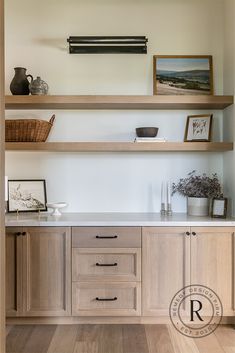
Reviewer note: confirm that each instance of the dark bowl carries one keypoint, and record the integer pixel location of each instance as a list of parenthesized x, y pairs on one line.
[(146, 131)]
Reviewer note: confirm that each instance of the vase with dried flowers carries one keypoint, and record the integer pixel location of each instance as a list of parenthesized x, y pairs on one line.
[(198, 189)]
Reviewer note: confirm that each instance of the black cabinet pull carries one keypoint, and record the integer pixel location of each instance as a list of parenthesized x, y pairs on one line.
[(18, 234), (187, 233), (106, 299), (106, 265), (193, 233), (106, 237), (24, 233)]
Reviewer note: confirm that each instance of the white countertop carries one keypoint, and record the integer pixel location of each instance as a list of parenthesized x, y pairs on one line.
[(114, 220)]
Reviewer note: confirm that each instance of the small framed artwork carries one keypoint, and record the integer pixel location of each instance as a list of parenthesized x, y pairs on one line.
[(182, 75), (219, 208), (198, 128), (27, 195)]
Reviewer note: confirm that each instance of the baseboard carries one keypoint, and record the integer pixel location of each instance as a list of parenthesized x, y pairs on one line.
[(227, 320)]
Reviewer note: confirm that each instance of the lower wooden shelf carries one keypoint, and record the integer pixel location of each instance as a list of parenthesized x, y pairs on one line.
[(120, 146)]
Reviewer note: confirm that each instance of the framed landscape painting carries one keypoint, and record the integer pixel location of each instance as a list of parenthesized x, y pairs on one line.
[(182, 75), (27, 195)]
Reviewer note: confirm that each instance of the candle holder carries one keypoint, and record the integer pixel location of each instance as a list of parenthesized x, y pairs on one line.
[(163, 209), (169, 210)]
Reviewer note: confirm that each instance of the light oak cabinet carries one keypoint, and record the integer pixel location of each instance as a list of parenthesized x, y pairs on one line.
[(41, 285), (106, 271), (166, 267), (176, 257), (212, 262), (13, 271)]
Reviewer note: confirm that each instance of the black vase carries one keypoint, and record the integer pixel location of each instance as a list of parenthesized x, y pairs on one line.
[(20, 84)]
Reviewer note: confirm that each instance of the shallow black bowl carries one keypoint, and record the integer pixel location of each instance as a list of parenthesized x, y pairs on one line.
[(146, 131)]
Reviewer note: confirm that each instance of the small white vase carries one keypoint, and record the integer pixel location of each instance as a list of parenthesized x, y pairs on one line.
[(198, 206)]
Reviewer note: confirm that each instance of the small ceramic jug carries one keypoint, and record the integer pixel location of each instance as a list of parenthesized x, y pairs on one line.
[(20, 84), (38, 87)]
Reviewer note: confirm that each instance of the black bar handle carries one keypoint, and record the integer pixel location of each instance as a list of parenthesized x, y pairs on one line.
[(106, 265), (106, 237), (106, 299)]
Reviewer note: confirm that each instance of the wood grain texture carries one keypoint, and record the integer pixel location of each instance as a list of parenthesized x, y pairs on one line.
[(118, 102), (226, 337), (124, 264), (209, 344), (134, 339), (39, 339), (212, 259), (18, 338), (120, 146), (128, 302), (158, 339), (125, 237), (47, 271), (64, 339), (100, 338), (14, 294), (8, 329), (115, 339), (2, 182), (166, 264), (181, 343)]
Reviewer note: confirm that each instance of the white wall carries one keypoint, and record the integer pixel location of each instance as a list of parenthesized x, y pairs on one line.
[(36, 35), (229, 85)]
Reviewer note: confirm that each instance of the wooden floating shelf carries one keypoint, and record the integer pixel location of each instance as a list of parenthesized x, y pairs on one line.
[(120, 146), (118, 102)]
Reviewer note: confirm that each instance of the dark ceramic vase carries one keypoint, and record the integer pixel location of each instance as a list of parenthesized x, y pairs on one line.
[(20, 84)]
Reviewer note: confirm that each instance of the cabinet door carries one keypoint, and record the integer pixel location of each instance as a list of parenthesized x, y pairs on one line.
[(47, 271), (13, 272), (212, 261), (165, 267)]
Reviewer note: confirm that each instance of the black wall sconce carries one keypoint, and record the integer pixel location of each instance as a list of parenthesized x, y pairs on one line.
[(108, 45)]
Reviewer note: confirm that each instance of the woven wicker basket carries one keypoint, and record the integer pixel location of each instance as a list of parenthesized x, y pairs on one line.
[(28, 130)]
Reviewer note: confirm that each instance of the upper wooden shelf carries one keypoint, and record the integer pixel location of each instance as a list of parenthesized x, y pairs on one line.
[(118, 102), (120, 146)]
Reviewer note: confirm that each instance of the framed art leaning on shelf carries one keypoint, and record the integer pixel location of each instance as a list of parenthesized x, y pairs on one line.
[(182, 75), (198, 128)]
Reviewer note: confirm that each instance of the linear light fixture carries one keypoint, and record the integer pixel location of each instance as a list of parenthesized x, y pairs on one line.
[(107, 45)]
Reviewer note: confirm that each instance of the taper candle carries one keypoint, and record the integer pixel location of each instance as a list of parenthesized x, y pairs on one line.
[(168, 193)]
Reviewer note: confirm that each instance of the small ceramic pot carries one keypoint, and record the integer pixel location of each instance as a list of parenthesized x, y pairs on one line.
[(38, 87), (198, 206)]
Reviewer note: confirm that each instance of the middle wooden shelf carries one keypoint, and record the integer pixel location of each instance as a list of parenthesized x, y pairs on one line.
[(120, 146)]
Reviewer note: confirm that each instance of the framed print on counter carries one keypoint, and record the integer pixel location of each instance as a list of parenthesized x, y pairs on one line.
[(198, 128), (183, 75), (27, 195), (219, 208)]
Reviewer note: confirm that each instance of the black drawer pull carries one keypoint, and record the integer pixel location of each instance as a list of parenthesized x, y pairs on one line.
[(187, 233), (106, 265), (18, 234), (193, 233), (24, 233), (106, 299), (106, 237)]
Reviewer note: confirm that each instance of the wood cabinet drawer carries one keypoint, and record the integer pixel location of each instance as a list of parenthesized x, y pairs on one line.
[(106, 264), (106, 237), (101, 299)]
